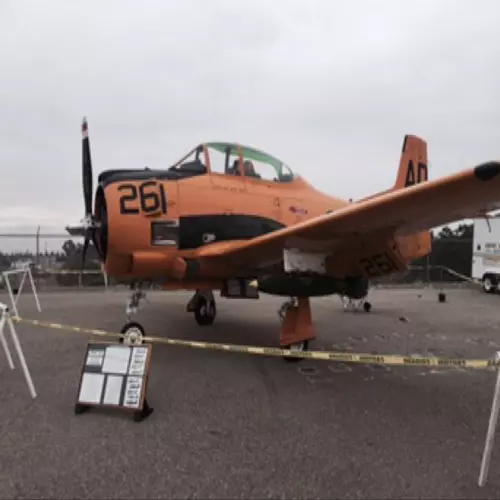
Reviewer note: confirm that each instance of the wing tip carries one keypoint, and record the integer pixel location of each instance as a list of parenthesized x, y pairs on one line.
[(487, 171)]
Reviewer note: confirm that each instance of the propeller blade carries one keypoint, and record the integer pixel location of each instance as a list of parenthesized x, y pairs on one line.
[(86, 169)]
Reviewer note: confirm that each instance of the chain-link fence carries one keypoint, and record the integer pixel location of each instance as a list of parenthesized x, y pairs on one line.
[(450, 262), (55, 260)]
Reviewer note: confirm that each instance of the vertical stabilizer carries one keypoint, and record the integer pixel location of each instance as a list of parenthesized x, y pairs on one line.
[(413, 167)]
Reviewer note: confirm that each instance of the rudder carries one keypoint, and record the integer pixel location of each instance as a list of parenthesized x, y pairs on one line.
[(413, 167)]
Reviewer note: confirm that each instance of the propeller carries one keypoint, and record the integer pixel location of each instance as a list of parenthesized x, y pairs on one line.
[(89, 223), (86, 169)]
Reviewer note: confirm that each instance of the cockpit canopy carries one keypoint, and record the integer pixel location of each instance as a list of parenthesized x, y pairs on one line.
[(234, 159)]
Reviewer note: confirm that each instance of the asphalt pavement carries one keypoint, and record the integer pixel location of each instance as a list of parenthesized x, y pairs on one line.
[(229, 425)]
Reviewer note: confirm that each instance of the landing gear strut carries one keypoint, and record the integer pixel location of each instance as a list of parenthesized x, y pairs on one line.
[(296, 326), (133, 331), (203, 306), (291, 302)]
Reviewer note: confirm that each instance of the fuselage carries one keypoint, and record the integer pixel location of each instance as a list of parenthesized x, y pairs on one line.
[(153, 223), (165, 213)]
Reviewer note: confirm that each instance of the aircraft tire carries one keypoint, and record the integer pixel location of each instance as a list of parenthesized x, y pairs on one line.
[(205, 312), (134, 329), (301, 346)]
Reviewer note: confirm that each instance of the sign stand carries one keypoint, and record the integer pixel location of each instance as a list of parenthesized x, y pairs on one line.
[(5, 319), (115, 375), (490, 436), (25, 272)]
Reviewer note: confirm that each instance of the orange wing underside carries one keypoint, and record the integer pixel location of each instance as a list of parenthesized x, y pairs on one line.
[(373, 221)]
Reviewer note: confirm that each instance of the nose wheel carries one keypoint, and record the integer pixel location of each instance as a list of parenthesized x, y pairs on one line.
[(133, 333)]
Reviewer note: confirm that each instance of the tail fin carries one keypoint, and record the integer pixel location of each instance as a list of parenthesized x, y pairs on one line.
[(413, 167), (413, 170)]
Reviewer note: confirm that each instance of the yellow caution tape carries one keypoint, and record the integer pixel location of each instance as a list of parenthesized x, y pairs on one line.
[(463, 277), (68, 271), (469, 279), (377, 359)]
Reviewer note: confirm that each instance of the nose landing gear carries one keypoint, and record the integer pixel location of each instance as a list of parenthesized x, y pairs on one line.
[(133, 332)]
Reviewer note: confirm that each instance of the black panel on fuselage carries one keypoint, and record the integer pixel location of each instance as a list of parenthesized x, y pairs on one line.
[(198, 230), (185, 171)]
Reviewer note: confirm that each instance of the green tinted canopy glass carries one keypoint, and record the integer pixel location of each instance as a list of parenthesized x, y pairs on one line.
[(248, 153)]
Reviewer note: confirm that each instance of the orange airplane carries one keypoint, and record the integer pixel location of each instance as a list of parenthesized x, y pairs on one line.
[(226, 215)]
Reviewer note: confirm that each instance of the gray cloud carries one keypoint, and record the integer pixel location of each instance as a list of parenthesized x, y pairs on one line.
[(330, 87)]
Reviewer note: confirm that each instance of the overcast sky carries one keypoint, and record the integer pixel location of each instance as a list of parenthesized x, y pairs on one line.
[(330, 87)]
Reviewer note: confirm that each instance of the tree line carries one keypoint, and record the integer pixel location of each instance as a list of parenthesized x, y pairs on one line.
[(451, 248), (69, 257)]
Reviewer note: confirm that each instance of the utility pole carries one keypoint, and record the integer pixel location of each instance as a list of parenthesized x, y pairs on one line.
[(37, 258)]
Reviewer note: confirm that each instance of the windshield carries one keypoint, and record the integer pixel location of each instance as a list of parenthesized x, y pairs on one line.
[(256, 163)]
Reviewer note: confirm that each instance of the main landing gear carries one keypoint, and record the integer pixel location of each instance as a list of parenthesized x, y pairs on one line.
[(296, 326), (203, 306), (295, 317), (355, 305)]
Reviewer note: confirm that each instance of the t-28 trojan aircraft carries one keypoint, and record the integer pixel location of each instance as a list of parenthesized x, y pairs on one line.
[(226, 215)]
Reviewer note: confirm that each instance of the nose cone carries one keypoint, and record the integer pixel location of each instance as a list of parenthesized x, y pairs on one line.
[(487, 171)]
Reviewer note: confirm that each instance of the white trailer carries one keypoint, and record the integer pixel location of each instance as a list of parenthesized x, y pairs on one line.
[(486, 253)]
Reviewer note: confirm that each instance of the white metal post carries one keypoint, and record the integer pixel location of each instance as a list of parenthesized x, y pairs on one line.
[(26, 272), (33, 287), (6, 319), (4, 341), (490, 436), (20, 289), (20, 353), (9, 290)]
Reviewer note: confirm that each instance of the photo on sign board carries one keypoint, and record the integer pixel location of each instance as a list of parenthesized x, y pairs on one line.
[(91, 388), (113, 390), (133, 389), (138, 361), (95, 357), (116, 359)]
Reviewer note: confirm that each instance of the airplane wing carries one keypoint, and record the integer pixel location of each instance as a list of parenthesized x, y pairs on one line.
[(405, 211)]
